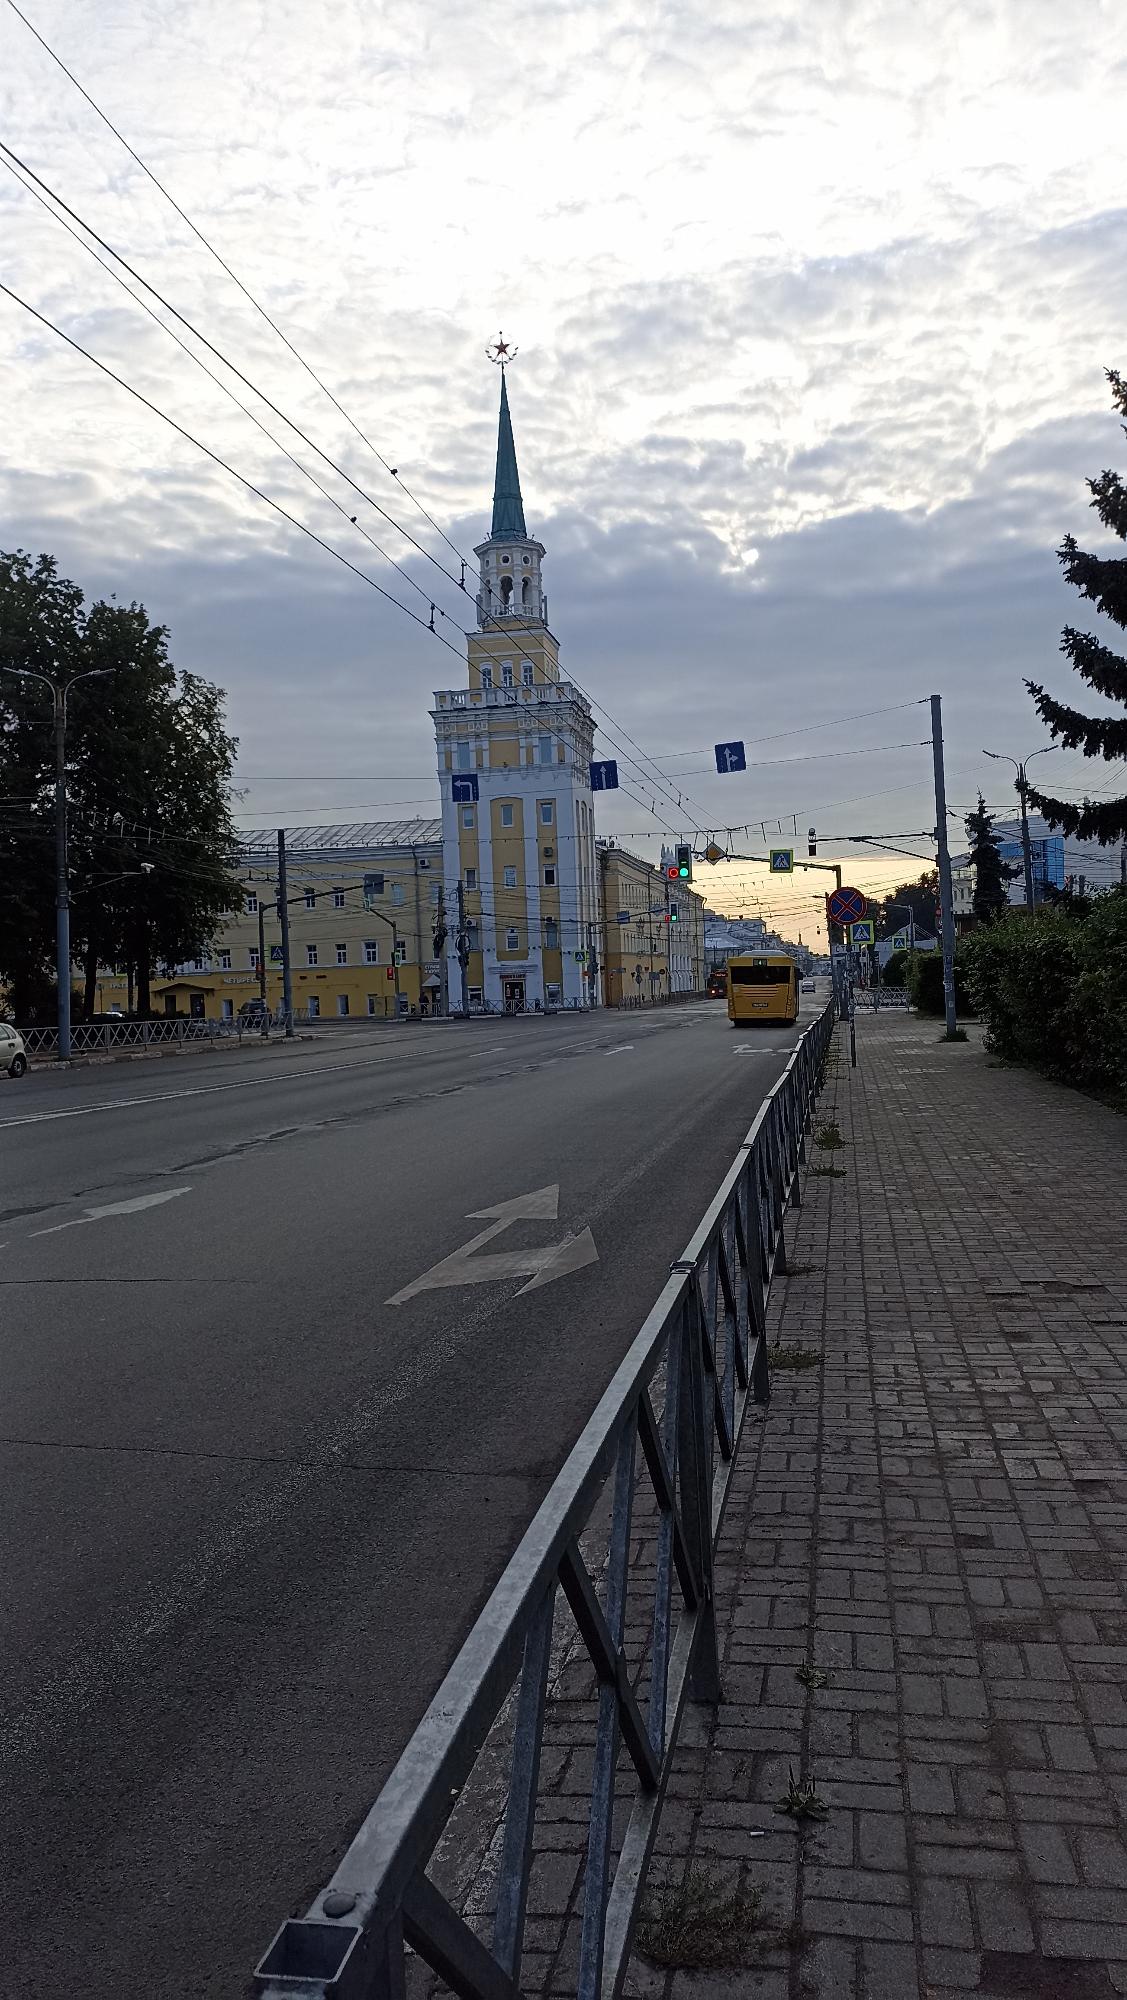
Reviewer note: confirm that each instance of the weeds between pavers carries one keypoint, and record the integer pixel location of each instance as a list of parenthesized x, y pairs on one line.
[(828, 1173), (700, 1923), (800, 1801), (812, 1676), (794, 1358), (827, 1136)]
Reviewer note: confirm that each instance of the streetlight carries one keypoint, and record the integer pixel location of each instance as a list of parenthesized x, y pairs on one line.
[(59, 693), (1021, 787)]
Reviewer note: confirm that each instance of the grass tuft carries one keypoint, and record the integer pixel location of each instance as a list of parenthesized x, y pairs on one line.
[(699, 1923), (794, 1358), (828, 1137), (800, 1801), (812, 1676)]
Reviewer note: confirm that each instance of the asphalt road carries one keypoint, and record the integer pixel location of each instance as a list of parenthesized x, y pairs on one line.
[(250, 1506)]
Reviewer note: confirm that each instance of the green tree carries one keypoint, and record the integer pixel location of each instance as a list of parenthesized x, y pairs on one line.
[(1103, 579), (149, 765), (991, 873), (921, 897)]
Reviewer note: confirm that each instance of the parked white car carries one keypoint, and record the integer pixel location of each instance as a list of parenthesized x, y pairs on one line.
[(13, 1059)]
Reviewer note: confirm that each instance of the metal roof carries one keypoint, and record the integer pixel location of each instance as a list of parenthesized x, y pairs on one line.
[(350, 836)]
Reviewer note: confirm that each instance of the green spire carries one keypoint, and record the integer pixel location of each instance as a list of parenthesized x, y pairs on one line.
[(508, 507)]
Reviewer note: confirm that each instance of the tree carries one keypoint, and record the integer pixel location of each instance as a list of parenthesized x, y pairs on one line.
[(921, 897), (1103, 579), (991, 873), (149, 765)]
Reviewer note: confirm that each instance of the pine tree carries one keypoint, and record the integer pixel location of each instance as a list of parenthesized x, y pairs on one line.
[(1103, 579), (991, 873)]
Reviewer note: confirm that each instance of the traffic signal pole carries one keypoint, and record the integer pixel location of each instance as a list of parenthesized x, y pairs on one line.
[(946, 903), (284, 923)]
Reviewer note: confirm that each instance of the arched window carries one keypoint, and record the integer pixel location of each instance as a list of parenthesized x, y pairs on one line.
[(506, 591), (525, 591)]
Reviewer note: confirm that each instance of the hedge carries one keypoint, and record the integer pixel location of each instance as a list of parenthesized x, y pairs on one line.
[(1051, 987)]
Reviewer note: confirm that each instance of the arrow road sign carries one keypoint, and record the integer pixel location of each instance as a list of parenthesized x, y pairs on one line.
[(729, 757), (539, 1266), (782, 861), (604, 777), (845, 906), (463, 789), (863, 933)]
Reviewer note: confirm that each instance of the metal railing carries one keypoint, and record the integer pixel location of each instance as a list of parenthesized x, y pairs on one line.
[(678, 1399), (100, 1037)]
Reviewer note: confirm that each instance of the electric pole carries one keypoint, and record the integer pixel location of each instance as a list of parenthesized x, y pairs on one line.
[(264, 1025), (284, 923), (59, 693), (462, 944), (1021, 787), (946, 906)]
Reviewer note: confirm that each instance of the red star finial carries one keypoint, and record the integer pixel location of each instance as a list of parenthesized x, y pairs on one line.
[(501, 352)]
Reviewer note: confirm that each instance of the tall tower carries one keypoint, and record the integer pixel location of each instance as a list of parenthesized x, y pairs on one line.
[(514, 755)]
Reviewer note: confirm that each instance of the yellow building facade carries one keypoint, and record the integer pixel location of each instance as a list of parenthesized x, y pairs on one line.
[(514, 753), (365, 904), (653, 931)]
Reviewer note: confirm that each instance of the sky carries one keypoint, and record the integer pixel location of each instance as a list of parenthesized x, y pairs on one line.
[(813, 304)]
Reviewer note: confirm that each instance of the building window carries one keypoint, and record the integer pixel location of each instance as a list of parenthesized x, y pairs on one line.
[(462, 750), (252, 904), (549, 878), (512, 939), (254, 958), (371, 952), (224, 961), (551, 935), (313, 1005), (473, 996), (467, 818), (342, 1003), (372, 1007), (228, 1007), (373, 887), (473, 938), (311, 899), (397, 894), (510, 878), (506, 815), (338, 899), (436, 892), (342, 954), (310, 954), (471, 878), (553, 995), (544, 745), (526, 674), (547, 812), (506, 672), (487, 677)]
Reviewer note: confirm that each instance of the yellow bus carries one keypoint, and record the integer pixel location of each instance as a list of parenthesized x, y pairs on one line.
[(762, 987)]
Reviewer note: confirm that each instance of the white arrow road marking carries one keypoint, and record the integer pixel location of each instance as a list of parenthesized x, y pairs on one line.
[(539, 1266), (115, 1208), (753, 1049), (621, 1049)]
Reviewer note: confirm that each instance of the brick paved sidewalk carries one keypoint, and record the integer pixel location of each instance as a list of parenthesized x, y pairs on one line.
[(934, 1518)]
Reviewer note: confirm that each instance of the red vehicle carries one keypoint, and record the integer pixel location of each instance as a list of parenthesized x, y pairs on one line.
[(718, 983)]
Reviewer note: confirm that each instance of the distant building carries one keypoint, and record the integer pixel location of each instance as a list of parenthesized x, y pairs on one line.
[(647, 953), (1058, 861), (514, 755)]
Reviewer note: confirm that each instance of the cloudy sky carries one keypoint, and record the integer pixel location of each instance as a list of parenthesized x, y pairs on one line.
[(813, 303)]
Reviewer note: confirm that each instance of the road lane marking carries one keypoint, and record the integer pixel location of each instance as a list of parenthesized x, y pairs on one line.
[(132, 1207), (621, 1050), (540, 1266)]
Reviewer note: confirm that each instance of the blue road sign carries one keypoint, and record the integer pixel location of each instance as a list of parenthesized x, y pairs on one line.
[(863, 932), (463, 788), (782, 861), (275, 954), (730, 757), (604, 777), (624, 916)]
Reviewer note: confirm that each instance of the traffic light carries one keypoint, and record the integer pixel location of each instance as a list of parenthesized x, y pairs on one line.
[(673, 917), (672, 873), (812, 841), (685, 861)]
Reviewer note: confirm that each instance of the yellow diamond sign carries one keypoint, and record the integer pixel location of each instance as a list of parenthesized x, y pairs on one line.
[(713, 853)]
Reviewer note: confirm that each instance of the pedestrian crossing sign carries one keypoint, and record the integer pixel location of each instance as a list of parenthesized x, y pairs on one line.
[(862, 933), (782, 861)]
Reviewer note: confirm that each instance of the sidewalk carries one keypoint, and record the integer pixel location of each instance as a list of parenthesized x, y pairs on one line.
[(934, 1517)]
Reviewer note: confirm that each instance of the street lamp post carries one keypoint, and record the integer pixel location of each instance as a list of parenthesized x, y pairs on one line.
[(1021, 787), (59, 692)]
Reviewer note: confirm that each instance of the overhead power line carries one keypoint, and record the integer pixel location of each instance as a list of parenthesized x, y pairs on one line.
[(391, 470)]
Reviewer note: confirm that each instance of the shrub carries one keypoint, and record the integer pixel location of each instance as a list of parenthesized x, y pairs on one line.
[(925, 983), (1051, 986), (896, 971)]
